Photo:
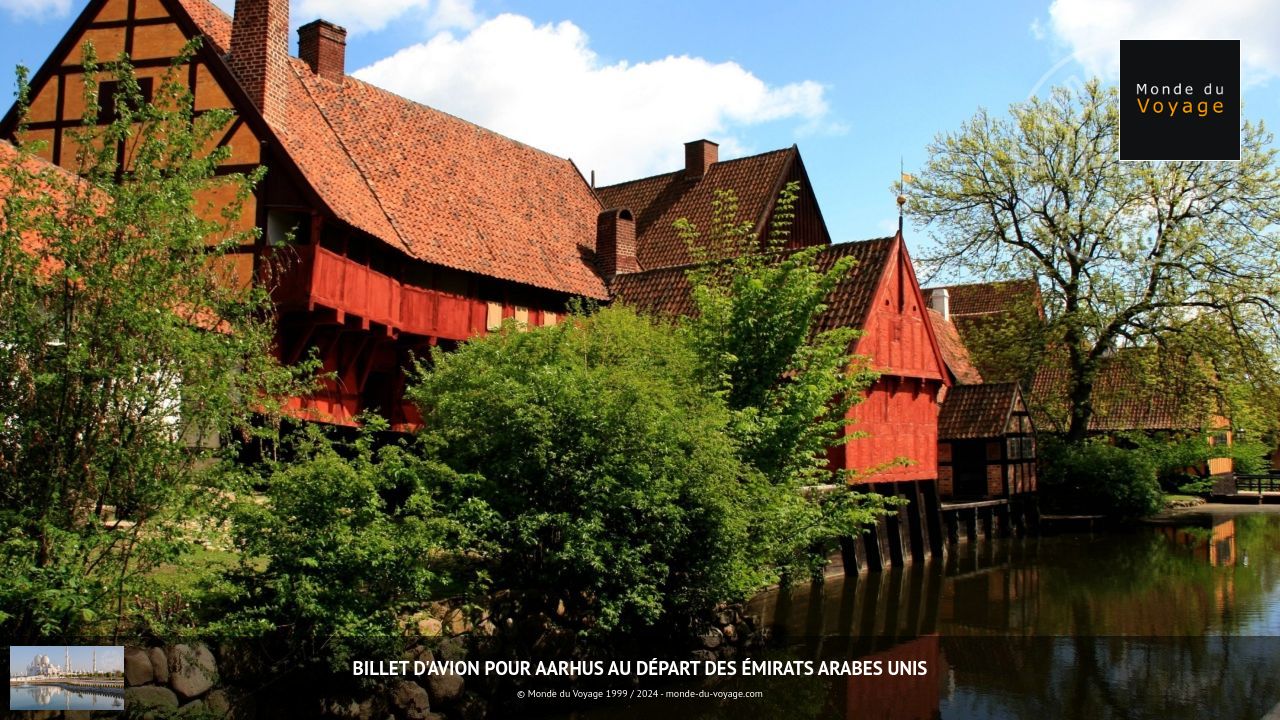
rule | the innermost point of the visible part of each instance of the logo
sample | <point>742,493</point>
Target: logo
<point>1179,99</point>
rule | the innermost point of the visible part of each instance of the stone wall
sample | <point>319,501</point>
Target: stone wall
<point>180,679</point>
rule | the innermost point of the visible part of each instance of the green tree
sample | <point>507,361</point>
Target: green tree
<point>125,354</point>
<point>788,384</point>
<point>1127,252</point>
<point>594,471</point>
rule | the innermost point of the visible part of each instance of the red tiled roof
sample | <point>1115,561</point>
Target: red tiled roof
<point>972,412</point>
<point>440,189</point>
<point>666,291</point>
<point>212,21</point>
<point>659,201</point>
<point>987,298</point>
<point>954,352</point>
<point>50,186</point>
<point>1124,399</point>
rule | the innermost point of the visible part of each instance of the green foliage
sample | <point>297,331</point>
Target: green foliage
<point>592,469</point>
<point>1250,457</point>
<point>121,345</point>
<point>788,385</point>
<point>1127,254</point>
<point>350,537</point>
<point>1097,477</point>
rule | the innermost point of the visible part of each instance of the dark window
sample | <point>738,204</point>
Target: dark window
<point>108,91</point>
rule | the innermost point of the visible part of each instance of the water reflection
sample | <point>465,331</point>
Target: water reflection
<point>1166,622</point>
<point>57,697</point>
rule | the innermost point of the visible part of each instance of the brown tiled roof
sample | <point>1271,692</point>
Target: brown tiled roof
<point>972,412</point>
<point>660,200</point>
<point>441,189</point>
<point>850,302</point>
<point>666,291</point>
<point>987,298</point>
<point>954,352</point>
<point>1123,399</point>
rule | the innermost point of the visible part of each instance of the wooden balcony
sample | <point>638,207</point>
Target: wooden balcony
<point>315,278</point>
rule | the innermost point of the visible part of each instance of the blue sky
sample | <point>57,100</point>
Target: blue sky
<point>858,86</point>
<point>109,657</point>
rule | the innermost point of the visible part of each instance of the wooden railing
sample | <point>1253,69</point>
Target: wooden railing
<point>314,276</point>
<point>1259,483</point>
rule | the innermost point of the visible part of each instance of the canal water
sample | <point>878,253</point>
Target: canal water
<point>56,697</point>
<point>1173,621</point>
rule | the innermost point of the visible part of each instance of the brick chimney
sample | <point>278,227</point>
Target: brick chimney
<point>260,55</point>
<point>699,155</point>
<point>616,243</point>
<point>323,46</point>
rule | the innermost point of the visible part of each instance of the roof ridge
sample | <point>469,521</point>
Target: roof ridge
<point>848,243</point>
<point>354,163</point>
<point>677,172</point>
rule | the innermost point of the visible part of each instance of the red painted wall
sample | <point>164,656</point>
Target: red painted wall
<point>364,326</point>
<point>899,414</point>
<point>899,417</point>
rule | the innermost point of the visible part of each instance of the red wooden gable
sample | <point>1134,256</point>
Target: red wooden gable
<point>897,333</point>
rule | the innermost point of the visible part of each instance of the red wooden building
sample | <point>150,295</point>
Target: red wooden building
<point>402,227</point>
<point>409,227</point>
<point>881,296</point>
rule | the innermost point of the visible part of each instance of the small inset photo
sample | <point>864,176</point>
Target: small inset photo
<point>66,677</point>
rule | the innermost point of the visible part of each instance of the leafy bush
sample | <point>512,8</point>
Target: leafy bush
<point>1251,457</point>
<point>1181,464</point>
<point>1098,478</point>
<point>594,470</point>
<point>340,547</point>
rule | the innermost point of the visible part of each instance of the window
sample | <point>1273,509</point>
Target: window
<point>108,90</point>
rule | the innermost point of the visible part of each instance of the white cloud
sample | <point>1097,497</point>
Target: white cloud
<point>453,14</point>
<point>545,86</point>
<point>35,9</point>
<point>1092,29</point>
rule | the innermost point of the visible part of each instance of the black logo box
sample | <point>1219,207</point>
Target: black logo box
<point>1186,68</point>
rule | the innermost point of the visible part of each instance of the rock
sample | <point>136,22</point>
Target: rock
<point>452,649</point>
<point>703,655</point>
<point>712,639</point>
<point>444,688</point>
<point>159,664</point>
<point>420,653</point>
<point>192,670</point>
<point>137,667</point>
<point>195,707</point>
<point>411,700</point>
<point>430,627</point>
<point>150,697</point>
<point>218,702</point>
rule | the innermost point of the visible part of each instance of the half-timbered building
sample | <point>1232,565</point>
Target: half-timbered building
<point>402,227</point>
